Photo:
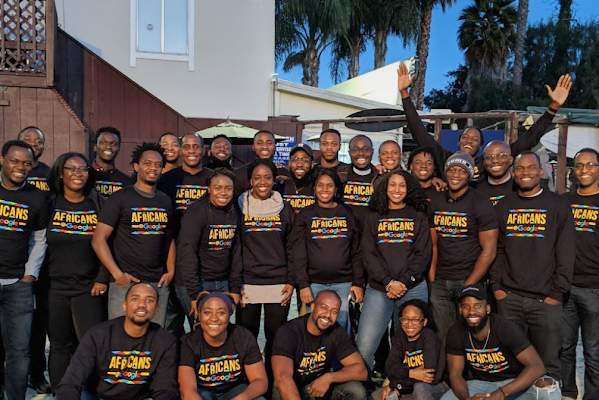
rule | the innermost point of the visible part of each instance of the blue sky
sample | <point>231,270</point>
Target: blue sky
<point>444,55</point>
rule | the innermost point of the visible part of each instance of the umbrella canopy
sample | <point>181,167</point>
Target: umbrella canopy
<point>239,134</point>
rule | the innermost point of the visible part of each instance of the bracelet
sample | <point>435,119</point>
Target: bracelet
<point>389,285</point>
<point>553,110</point>
<point>502,392</point>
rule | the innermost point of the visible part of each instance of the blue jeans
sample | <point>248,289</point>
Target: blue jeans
<point>581,310</point>
<point>183,295</point>
<point>533,392</point>
<point>206,394</point>
<point>116,297</point>
<point>376,314</point>
<point>16,314</point>
<point>342,289</point>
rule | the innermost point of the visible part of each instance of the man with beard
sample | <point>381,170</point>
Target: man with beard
<point>140,219</point>
<point>535,259</point>
<point>423,167</point>
<point>471,139</point>
<point>330,144</point>
<point>299,191</point>
<point>219,154</point>
<point>497,159</point>
<point>264,148</point>
<point>40,173</point>
<point>130,357</point>
<point>172,150</point>
<point>581,304</point>
<point>303,354</point>
<point>464,232</point>
<point>496,352</point>
<point>108,177</point>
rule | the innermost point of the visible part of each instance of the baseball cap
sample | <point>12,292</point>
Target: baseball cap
<point>477,291</point>
<point>463,160</point>
<point>304,147</point>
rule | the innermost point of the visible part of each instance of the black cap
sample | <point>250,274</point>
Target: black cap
<point>477,291</point>
<point>304,147</point>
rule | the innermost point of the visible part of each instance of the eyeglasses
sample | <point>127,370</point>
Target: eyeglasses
<point>500,156</point>
<point>77,170</point>
<point>304,160</point>
<point>412,321</point>
<point>589,166</point>
<point>356,150</point>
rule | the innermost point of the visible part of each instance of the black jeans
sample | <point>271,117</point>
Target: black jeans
<point>37,346</point>
<point>443,301</point>
<point>275,315</point>
<point>69,318</point>
<point>541,322</point>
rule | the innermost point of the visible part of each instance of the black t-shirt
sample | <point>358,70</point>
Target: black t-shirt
<point>585,210</point>
<point>39,177</point>
<point>298,195</point>
<point>497,360</point>
<point>357,190</point>
<point>69,236</point>
<point>312,355</point>
<point>335,168</point>
<point>496,192</point>
<point>141,232</point>
<point>109,182</point>
<point>220,369</point>
<point>242,182</point>
<point>184,188</point>
<point>457,224</point>
<point>22,212</point>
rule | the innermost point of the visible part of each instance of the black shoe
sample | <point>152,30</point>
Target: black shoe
<point>41,387</point>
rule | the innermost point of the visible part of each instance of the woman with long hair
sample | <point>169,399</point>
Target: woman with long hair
<point>325,250</point>
<point>265,227</point>
<point>76,281</point>
<point>397,251</point>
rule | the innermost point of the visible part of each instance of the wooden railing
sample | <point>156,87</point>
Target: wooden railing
<point>27,39</point>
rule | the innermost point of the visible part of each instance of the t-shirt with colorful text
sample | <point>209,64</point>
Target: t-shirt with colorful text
<point>111,181</point>
<point>39,177</point>
<point>585,210</point>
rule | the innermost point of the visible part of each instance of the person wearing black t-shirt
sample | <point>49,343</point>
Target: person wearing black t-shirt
<point>581,304</point>
<point>109,178</point>
<point>220,361</point>
<point>325,247</point>
<point>219,154</point>
<point>265,229</point>
<point>131,357</point>
<point>74,303</point>
<point>329,145</point>
<point>497,159</point>
<point>501,360</point>
<point>417,359</point>
<point>535,259</point>
<point>471,139</point>
<point>304,351</point>
<point>23,223</point>
<point>40,173</point>
<point>298,191</point>
<point>208,248</point>
<point>139,218</point>
<point>264,147</point>
<point>389,155</point>
<point>172,150</point>
<point>422,166</point>
<point>396,245</point>
<point>464,232</point>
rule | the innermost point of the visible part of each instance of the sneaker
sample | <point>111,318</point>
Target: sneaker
<point>41,387</point>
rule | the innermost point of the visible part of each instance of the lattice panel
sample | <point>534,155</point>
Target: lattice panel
<point>23,36</point>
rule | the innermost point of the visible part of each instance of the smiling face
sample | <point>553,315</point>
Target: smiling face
<point>149,168</point>
<point>220,191</point>
<point>389,155</point>
<point>330,144</point>
<point>457,178</point>
<point>527,173</point>
<point>220,148</point>
<point>470,142</point>
<point>192,150</point>
<point>264,146</point>
<point>360,152</point>
<point>16,166</point>
<point>35,140</point>
<point>474,313</point>
<point>397,188</point>
<point>75,174</point>
<point>423,166</point>
<point>300,163</point>
<point>325,311</point>
<point>412,322</point>
<point>262,182</point>
<point>586,169</point>
<point>170,144</point>
<point>497,159</point>
<point>107,147</point>
<point>324,190</point>
<point>214,318</point>
<point>140,304</point>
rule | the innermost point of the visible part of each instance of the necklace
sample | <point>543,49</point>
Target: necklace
<point>486,341</point>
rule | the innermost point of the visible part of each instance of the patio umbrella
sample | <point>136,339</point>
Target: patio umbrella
<point>239,134</point>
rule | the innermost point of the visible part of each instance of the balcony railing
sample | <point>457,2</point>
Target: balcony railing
<point>27,38</point>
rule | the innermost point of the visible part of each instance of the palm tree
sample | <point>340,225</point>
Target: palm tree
<point>304,29</point>
<point>560,62</point>
<point>487,36</point>
<point>520,36</point>
<point>349,44</point>
<point>426,16</point>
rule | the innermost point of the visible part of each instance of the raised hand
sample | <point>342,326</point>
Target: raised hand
<point>404,81</point>
<point>559,95</point>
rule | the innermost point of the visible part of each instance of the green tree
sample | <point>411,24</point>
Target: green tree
<point>349,44</point>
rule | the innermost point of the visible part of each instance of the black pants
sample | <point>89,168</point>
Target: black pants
<point>70,317</point>
<point>37,346</point>
<point>541,322</point>
<point>275,315</point>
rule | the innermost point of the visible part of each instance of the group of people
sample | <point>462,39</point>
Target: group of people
<point>484,275</point>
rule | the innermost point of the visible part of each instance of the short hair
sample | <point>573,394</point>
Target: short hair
<point>31,127</point>
<point>17,143</point>
<point>415,303</point>
<point>422,150</point>
<point>192,134</point>
<point>320,172</point>
<point>108,129</point>
<point>525,153</point>
<point>361,137</point>
<point>263,131</point>
<point>171,134</point>
<point>497,143</point>
<point>327,291</point>
<point>480,133</point>
<point>146,146</point>
<point>587,150</point>
<point>220,135</point>
<point>259,161</point>
<point>221,171</point>
<point>331,130</point>
<point>389,141</point>
<point>56,181</point>
<point>142,283</point>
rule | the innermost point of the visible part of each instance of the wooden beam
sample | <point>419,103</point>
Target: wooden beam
<point>438,129</point>
<point>51,28</point>
<point>560,186</point>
